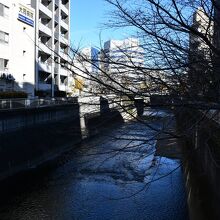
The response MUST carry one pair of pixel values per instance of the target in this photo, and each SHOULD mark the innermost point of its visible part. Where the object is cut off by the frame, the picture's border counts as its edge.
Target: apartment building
(16, 46)
(205, 25)
(200, 54)
(122, 59)
(121, 54)
(52, 41)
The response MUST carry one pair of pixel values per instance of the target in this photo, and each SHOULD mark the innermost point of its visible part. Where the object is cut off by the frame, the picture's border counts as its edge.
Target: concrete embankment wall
(201, 162)
(30, 137)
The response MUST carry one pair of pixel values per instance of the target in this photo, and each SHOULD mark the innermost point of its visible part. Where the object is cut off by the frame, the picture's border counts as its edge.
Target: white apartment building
(52, 41)
(16, 46)
(122, 58)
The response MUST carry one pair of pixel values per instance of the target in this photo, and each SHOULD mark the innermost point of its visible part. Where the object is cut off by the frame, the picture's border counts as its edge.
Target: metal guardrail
(6, 104)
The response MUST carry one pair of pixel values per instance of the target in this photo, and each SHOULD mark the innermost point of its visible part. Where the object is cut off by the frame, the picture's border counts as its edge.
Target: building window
(3, 64)
(4, 37)
(4, 11)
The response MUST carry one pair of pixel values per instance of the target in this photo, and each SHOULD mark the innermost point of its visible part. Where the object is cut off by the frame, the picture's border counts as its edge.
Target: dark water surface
(106, 178)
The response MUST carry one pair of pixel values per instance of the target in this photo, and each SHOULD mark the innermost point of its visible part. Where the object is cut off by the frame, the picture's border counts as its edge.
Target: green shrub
(13, 95)
(60, 94)
(41, 94)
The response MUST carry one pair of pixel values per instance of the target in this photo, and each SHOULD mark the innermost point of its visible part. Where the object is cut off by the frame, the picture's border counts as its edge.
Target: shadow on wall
(44, 83)
(44, 79)
(201, 156)
(29, 137)
(8, 84)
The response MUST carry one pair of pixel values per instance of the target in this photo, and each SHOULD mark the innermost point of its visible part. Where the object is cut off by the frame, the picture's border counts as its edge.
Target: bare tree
(179, 41)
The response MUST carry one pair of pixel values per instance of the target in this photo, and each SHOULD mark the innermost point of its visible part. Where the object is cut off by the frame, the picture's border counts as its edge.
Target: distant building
(17, 33)
(122, 60)
(86, 66)
(120, 54)
(200, 55)
(203, 24)
(91, 55)
(52, 40)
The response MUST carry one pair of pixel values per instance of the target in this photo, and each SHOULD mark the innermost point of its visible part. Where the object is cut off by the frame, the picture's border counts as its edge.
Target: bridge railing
(6, 104)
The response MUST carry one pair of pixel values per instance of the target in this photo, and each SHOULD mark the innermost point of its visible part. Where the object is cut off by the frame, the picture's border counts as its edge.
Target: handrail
(20, 103)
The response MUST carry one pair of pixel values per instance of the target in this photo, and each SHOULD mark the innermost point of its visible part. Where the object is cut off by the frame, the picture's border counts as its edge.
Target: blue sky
(87, 17)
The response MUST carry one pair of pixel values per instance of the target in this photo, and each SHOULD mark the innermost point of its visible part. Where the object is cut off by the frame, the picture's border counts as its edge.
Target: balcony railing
(45, 29)
(45, 48)
(64, 40)
(62, 87)
(45, 66)
(64, 9)
(63, 72)
(45, 10)
(64, 56)
(64, 25)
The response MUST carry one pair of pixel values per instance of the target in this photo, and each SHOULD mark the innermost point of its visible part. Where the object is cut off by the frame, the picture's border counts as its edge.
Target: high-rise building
(122, 59)
(52, 41)
(205, 25)
(120, 54)
(17, 46)
(200, 54)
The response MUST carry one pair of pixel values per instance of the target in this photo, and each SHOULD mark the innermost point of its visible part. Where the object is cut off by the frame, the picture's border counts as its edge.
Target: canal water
(112, 176)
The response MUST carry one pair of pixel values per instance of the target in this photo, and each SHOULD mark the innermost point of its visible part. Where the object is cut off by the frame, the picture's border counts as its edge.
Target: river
(107, 177)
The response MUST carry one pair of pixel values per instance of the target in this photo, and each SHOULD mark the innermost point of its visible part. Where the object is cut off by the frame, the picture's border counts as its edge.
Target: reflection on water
(106, 178)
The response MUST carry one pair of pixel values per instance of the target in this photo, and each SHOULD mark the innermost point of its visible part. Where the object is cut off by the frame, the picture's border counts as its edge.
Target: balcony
(65, 3)
(64, 56)
(45, 10)
(43, 28)
(45, 66)
(64, 9)
(64, 25)
(45, 48)
(62, 87)
(63, 72)
(63, 40)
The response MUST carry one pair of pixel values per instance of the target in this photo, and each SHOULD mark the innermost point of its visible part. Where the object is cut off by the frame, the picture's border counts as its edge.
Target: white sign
(26, 15)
